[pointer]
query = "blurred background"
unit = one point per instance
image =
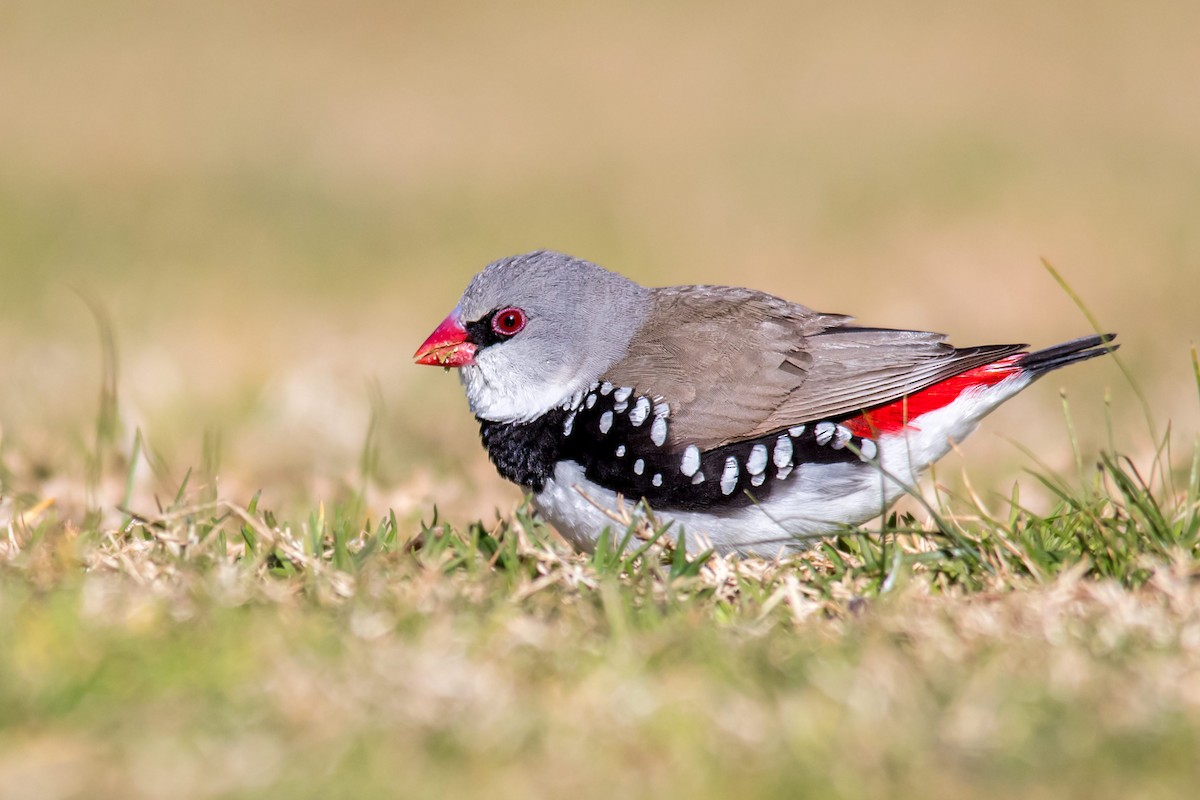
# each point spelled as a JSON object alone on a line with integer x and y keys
{"x": 273, "y": 203}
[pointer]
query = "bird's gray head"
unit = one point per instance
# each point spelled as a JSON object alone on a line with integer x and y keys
{"x": 531, "y": 330}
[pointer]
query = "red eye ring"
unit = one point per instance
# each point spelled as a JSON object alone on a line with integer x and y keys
{"x": 508, "y": 321}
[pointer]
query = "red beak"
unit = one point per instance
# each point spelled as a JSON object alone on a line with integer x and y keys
{"x": 447, "y": 346}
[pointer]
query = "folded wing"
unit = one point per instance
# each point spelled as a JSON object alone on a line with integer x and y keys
{"x": 736, "y": 364}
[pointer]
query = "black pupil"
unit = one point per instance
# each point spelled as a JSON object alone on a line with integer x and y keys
{"x": 508, "y": 321}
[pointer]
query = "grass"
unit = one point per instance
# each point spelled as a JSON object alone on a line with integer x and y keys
{"x": 208, "y": 647}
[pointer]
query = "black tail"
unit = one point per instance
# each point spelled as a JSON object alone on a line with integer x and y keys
{"x": 1039, "y": 362}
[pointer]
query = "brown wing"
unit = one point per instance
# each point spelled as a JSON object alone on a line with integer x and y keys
{"x": 736, "y": 364}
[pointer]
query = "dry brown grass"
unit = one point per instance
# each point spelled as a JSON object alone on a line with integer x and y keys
{"x": 276, "y": 202}
{"x": 183, "y": 661}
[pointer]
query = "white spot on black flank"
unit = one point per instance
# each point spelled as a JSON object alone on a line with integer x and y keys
{"x": 824, "y": 432}
{"x": 568, "y": 423}
{"x": 698, "y": 479}
{"x": 841, "y": 436}
{"x": 757, "y": 480}
{"x": 639, "y": 467}
{"x": 620, "y": 451}
{"x": 691, "y": 460}
{"x": 658, "y": 431}
{"x": 784, "y": 472}
{"x": 591, "y": 400}
{"x": 757, "y": 461}
{"x": 622, "y": 394}
{"x": 797, "y": 431}
{"x": 606, "y": 420}
{"x": 662, "y": 409}
{"x": 868, "y": 449}
{"x": 606, "y": 388}
{"x": 639, "y": 412}
{"x": 729, "y": 476}
{"x": 657, "y": 479}
{"x": 783, "y": 452}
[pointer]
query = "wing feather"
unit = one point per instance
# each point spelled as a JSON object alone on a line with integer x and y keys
{"x": 736, "y": 364}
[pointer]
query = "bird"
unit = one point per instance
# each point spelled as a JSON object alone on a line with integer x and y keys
{"x": 749, "y": 423}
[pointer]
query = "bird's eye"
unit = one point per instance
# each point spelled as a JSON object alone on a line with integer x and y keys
{"x": 508, "y": 321}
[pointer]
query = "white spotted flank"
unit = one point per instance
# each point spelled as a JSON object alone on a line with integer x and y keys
{"x": 841, "y": 436}
{"x": 783, "y": 452}
{"x": 658, "y": 431}
{"x": 824, "y": 432}
{"x": 757, "y": 462}
{"x": 691, "y": 461}
{"x": 729, "y": 476}
{"x": 639, "y": 412}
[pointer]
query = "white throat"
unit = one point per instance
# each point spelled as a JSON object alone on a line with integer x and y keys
{"x": 502, "y": 395}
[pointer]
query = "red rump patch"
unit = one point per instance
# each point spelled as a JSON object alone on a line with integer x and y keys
{"x": 894, "y": 416}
